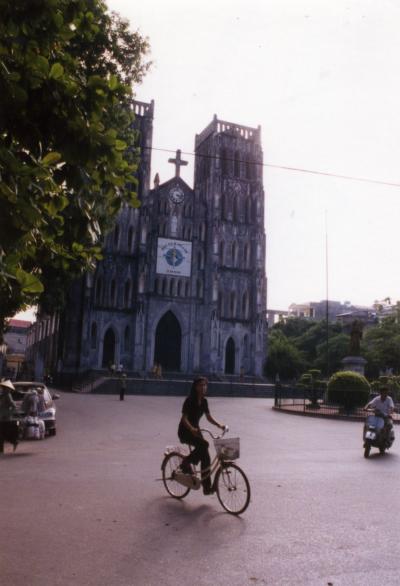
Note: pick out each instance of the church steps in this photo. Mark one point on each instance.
(179, 387)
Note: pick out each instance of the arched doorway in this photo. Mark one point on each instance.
(230, 357)
(108, 348)
(167, 348)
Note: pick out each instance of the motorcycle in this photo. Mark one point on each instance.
(378, 433)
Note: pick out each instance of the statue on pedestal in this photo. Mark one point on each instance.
(355, 338)
(355, 362)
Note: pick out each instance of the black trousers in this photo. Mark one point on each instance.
(199, 454)
(8, 433)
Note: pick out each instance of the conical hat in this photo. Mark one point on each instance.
(8, 384)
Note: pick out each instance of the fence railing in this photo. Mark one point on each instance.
(299, 400)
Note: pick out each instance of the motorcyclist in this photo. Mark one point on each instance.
(384, 405)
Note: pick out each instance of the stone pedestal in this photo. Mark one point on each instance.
(354, 363)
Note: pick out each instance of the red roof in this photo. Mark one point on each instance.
(19, 323)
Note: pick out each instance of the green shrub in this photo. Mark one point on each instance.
(313, 387)
(348, 389)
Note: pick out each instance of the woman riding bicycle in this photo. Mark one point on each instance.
(194, 407)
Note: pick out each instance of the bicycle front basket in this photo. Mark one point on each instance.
(227, 448)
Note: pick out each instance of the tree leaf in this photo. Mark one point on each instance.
(29, 283)
(51, 159)
(56, 71)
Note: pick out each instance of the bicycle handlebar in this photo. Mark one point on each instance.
(225, 430)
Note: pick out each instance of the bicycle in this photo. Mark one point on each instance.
(230, 482)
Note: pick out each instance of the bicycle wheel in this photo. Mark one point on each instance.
(170, 463)
(233, 488)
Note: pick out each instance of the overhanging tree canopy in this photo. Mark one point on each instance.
(66, 74)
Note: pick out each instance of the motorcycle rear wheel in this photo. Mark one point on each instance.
(367, 449)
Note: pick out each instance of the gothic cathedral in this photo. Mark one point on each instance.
(182, 282)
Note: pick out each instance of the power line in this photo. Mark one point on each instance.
(283, 167)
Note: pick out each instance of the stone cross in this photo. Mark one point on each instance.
(178, 162)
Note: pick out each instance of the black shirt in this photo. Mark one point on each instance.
(193, 411)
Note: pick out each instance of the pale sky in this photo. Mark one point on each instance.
(322, 78)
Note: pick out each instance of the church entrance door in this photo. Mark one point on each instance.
(167, 348)
(230, 357)
(108, 348)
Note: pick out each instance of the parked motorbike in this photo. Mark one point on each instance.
(377, 433)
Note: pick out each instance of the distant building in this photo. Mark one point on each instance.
(42, 346)
(15, 338)
(316, 310)
(275, 316)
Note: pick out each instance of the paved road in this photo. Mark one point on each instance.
(85, 508)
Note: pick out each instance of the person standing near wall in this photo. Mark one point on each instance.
(8, 427)
(122, 387)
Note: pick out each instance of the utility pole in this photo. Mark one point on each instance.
(327, 293)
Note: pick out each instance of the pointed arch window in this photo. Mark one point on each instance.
(187, 289)
(127, 293)
(116, 236)
(224, 162)
(130, 238)
(200, 260)
(254, 214)
(248, 167)
(113, 291)
(142, 281)
(247, 255)
(236, 169)
(236, 209)
(248, 211)
(127, 338)
(234, 254)
(174, 287)
(233, 304)
(220, 304)
(93, 336)
(99, 290)
(246, 346)
(224, 206)
(222, 252)
(245, 305)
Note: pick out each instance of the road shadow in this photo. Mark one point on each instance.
(9, 456)
(190, 514)
(380, 459)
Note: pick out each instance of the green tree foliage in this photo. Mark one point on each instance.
(283, 357)
(66, 74)
(315, 338)
(293, 327)
(310, 339)
(381, 347)
(338, 349)
(348, 389)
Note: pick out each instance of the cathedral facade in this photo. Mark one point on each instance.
(182, 282)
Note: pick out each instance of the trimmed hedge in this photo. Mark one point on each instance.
(348, 389)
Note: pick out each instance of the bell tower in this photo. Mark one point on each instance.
(228, 179)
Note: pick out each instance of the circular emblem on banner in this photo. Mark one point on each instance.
(174, 257)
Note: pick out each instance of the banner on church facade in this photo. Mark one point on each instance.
(174, 257)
